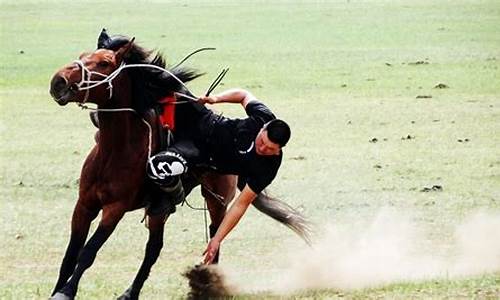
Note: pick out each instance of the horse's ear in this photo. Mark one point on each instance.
(103, 39)
(123, 51)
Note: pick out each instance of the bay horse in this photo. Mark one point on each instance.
(113, 177)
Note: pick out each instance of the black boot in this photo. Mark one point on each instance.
(175, 191)
(164, 198)
(164, 169)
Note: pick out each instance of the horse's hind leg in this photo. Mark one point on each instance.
(156, 226)
(111, 215)
(80, 224)
(214, 187)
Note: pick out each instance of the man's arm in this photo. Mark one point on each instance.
(230, 96)
(232, 218)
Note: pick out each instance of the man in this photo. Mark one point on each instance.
(249, 148)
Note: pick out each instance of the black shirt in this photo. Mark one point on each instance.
(231, 148)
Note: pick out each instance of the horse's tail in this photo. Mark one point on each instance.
(285, 214)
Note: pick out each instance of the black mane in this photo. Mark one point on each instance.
(149, 85)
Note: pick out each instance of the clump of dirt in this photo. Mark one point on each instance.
(420, 62)
(441, 86)
(434, 188)
(424, 97)
(207, 282)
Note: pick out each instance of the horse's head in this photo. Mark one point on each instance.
(79, 81)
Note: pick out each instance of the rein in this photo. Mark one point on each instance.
(86, 84)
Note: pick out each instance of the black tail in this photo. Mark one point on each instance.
(285, 214)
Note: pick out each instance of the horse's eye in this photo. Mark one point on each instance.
(103, 64)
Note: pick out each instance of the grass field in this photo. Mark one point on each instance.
(343, 73)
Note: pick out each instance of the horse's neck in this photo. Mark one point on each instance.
(120, 128)
(121, 131)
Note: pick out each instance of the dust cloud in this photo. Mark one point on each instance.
(390, 248)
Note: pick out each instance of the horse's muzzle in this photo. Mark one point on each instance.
(60, 90)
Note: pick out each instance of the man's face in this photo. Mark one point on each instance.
(263, 146)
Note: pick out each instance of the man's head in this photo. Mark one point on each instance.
(272, 137)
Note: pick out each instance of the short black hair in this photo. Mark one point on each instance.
(278, 132)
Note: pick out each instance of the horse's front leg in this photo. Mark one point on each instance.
(156, 226)
(218, 191)
(111, 215)
(80, 224)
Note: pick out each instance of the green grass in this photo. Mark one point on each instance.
(340, 72)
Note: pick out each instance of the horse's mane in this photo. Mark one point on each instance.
(149, 85)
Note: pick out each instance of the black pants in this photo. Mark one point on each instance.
(190, 149)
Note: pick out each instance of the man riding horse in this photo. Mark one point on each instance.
(249, 148)
(127, 83)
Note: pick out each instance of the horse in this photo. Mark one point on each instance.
(126, 81)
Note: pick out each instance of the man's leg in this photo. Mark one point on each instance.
(166, 168)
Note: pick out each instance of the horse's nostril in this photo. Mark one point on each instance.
(58, 85)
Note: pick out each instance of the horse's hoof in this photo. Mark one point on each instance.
(61, 296)
(128, 296)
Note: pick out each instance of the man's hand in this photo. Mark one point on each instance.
(211, 251)
(230, 220)
(230, 96)
(208, 99)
